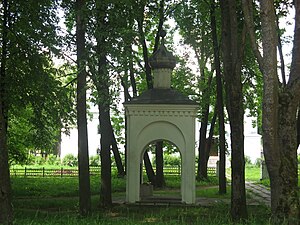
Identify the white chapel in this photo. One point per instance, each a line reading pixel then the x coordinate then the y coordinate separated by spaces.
pixel 161 113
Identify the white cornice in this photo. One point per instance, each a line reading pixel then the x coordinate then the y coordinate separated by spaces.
pixel 162 110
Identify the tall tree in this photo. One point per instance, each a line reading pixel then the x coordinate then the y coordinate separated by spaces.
pixel 101 80
pixel 220 105
pixel 29 41
pixel 6 211
pixel 193 20
pixel 83 155
pixel 280 105
pixel 232 49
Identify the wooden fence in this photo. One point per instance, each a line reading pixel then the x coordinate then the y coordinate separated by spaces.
pixel 63 172
pixel 46 172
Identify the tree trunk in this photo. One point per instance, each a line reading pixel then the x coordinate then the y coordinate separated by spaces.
pixel 101 81
pixel 131 73
pixel 149 169
pixel 232 57
pixel 288 208
pixel 280 52
pixel 210 136
pixel 279 115
pixel 160 24
pixel 118 160
pixel 288 201
pixel 220 105
pixel 270 100
pixel 6 210
pixel 83 155
pixel 105 142
pixel 202 162
pixel 159 178
pixel 298 127
pixel 140 22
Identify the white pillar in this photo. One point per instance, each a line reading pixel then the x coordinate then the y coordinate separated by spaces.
pixel 188 175
pixel 132 176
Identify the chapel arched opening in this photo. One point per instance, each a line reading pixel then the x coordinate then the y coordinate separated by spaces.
pixel 161 171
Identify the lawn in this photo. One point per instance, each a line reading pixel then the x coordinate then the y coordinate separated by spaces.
pixel 252 173
pixel 55 201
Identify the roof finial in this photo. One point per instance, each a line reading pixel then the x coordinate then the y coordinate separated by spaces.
pixel 162 58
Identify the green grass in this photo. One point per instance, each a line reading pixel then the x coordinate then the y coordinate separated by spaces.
pixel 134 214
pixel 55 201
pixel 58 187
pixel 252 173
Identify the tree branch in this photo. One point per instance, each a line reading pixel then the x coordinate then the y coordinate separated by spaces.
pixel 248 15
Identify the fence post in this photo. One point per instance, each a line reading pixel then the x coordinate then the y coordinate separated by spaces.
pixel 178 169
pixel 43 171
pixel 25 172
pixel 61 172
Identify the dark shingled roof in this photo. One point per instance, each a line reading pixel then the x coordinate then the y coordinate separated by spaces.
pixel 162 96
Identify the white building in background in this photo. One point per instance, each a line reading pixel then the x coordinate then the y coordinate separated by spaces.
pixel 253 141
pixel 69 143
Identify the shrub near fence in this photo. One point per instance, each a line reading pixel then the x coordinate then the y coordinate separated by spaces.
pixel 63 172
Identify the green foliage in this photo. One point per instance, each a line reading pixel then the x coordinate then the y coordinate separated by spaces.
pixel 95 160
pixel 258 162
pixel 70 160
pixel 38 103
pixel 172 160
pixel 39 160
pixel 53 160
pixel 248 160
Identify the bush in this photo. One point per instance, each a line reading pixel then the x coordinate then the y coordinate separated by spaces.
pixel 53 160
pixel 172 160
pixel 258 162
pixel 30 160
pixel 95 160
pixel 70 160
pixel 248 160
pixel 39 160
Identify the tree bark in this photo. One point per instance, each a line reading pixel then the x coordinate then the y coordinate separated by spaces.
pixel 160 24
pixel 101 81
pixel 270 100
pixel 159 178
pixel 232 58
pixel 105 143
pixel 118 160
pixel 298 127
pixel 6 210
pixel 210 135
pixel 83 155
pixel 202 162
pixel 280 52
pixel 288 208
pixel 279 115
pixel 220 105
pixel 149 168
pixel 140 22
pixel 288 200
